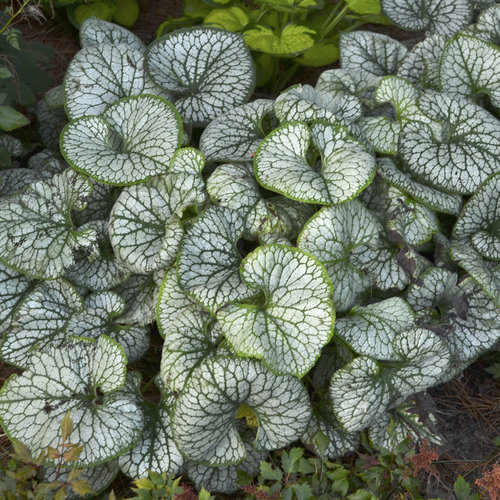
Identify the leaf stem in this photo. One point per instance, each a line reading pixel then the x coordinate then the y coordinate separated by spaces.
pixel 334 23
pixel 330 16
pixel 287 76
pixel 148 384
pixel 9 22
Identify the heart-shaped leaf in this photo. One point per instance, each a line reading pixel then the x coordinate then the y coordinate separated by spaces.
pixel 36 233
pixel 207 70
pixel 208 263
pixel 86 379
pixel 189 332
pixel 459 153
pixel 95 31
pixel 135 138
pixel 289 330
pixel 145 224
pixel 155 450
pixel 435 16
pixel 100 75
pixel 41 321
pixel 235 187
pixel 236 135
pixel 331 235
pixel 203 415
pixel 468 68
pixel 281 163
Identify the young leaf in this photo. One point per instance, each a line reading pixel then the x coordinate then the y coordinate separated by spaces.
pixel 207 70
pixel 435 16
pixel 84 378
pixel 295 322
pixel 236 135
pixel 135 138
pixel 203 415
pixel 36 233
pixel 208 263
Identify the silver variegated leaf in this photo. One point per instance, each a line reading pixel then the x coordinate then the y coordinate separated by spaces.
pixel 433 198
pixel 296 320
pixel 145 226
pixel 281 163
pixel 459 154
pixel 305 104
pixel 203 418
pixel 468 68
pixel 340 81
pixel 41 321
pixel 50 123
pixel 187 161
pixel 100 75
pixel 421 63
pixel 487 26
pixel 377 54
pixel 12 180
pixel 85 378
pixel 36 233
pixel 11 145
pixel 102 271
pixel 98 317
pixel 47 163
pixel 96 31
pixel 340 442
pixel 54 98
pixel 208 263
pixel 236 135
pixel 371 330
pixel 99 478
pixel 331 235
pixel 14 287
pixel 135 138
pixel 435 16
pixel 155 450
pixel 189 332
pixel 208 71
pixel 234 186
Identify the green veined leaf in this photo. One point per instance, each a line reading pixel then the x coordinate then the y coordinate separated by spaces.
pixel 344 81
pixel 51 121
pixel 435 16
pixel 331 235
pixel 54 97
pixel 135 138
pixel 47 163
pixel 36 234
pixel 377 54
pixel 235 187
pixel 85 378
pixel 41 320
pixel 208 263
pixel 296 320
pixel 457 155
pixel 432 198
pixel 293 39
pixel 14 287
pixel 100 75
pixel 187 161
pixel 203 415
pixel 305 104
pixel 98 317
pixel 421 63
pixel 235 135
pixel 467 68
pixel 371 330
pixel 95 31
pixel 155 451
pixel 12 180
pixel 487 25
pixel 145 224
pixel 189 332
pixel 207 70
pixel 99 477
pixel 11 144
pixel 281 164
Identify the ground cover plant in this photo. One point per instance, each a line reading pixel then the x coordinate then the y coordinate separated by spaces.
pixel 311 262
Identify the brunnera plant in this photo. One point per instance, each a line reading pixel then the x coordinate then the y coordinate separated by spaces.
pixel 310 262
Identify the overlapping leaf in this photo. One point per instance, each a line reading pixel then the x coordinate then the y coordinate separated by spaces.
pixel 331 235
pixel 96 31
pixel 208 71
pixel 203 415
pixel 289 330
pixel 235 135
pixel 132 140
pixel 85 378
pixel 281 163
pixel 36 233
